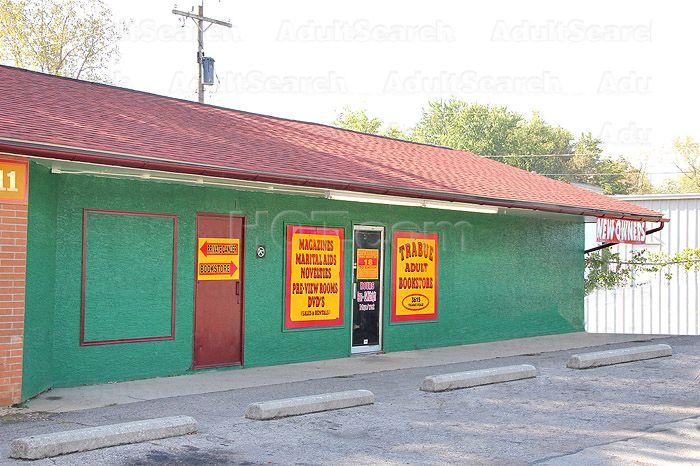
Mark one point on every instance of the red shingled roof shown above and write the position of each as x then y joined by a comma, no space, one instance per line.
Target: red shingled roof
47,116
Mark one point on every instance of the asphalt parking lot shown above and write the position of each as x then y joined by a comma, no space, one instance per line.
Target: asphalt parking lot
560,413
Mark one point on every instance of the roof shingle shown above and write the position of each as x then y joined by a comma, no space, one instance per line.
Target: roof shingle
44,109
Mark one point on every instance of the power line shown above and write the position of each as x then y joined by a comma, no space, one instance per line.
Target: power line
545,155
640,172
688,261
528,156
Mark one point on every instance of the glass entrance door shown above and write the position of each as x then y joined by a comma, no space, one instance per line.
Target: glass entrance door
368,271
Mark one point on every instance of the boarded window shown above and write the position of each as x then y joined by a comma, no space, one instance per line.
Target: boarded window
128,277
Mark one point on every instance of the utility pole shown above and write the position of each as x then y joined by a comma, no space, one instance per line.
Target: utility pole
199,19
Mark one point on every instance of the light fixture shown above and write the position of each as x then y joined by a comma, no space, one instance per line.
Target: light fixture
83,168
462,207
374,199
409,202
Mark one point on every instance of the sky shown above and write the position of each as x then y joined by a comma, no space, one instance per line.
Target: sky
626,71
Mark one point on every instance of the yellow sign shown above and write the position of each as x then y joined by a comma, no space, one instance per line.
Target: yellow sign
218,259
414,276
14,176
367,264
314,279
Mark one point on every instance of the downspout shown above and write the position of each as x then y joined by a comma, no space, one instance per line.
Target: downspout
607,245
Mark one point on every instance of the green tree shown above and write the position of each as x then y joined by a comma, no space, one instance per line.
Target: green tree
507,136
607,270
396,133
668,186
548,144
621,177
495,131
614,175
482,129
689,150
586,158
73,38
359,120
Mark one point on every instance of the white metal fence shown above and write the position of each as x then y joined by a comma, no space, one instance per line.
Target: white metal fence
655,305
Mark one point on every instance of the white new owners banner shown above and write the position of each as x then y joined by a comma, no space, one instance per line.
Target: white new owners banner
616,230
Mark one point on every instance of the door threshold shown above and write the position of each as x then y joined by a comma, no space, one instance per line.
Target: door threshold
365,350
217,366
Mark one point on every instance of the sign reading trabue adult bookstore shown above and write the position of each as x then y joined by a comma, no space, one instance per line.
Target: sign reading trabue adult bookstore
314,277
414,276
616,230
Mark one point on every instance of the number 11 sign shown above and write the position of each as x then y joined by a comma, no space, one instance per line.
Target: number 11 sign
14,175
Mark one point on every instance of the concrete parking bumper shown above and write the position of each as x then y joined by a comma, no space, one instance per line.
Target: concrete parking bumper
453,381
618,356
92,438
308,404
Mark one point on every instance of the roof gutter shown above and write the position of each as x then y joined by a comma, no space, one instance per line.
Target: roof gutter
103,157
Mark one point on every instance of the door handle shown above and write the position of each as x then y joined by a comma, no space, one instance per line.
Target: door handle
238,291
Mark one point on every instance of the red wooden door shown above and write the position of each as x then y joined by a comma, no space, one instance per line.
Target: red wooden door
218,314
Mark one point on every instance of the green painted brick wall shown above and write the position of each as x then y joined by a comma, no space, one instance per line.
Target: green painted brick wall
39,300
500,276
129,276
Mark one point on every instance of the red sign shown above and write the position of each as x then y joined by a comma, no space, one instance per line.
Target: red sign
314,279
367,264
414,276
615,230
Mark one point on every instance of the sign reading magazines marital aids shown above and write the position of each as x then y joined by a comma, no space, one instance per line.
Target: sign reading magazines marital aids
314,277
414,283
